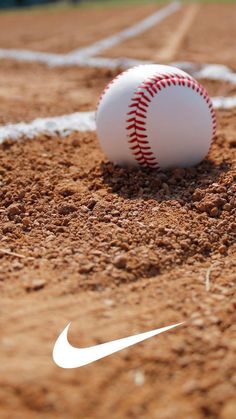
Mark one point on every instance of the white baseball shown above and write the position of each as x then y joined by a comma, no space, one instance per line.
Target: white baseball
155,116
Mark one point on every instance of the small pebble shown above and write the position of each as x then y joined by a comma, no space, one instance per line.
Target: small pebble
139,378
34,285
120,261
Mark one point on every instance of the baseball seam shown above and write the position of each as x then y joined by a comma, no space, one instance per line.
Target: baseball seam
111,83
136,117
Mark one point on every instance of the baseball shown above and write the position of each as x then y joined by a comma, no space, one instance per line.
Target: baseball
155,116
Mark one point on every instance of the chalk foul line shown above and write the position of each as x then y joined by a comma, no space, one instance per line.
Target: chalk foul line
222,102
81,55
85,56
60,125
79,121
84,121
216,72
128,33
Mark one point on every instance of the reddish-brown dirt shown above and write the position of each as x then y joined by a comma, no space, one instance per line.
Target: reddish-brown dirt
58,91
117,252
63,30
48,92
146,45
209,40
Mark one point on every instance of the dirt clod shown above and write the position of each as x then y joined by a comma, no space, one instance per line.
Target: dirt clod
120,261
34,285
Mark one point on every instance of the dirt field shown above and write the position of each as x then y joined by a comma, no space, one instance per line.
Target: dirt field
64,30
60,91
115,251
209,38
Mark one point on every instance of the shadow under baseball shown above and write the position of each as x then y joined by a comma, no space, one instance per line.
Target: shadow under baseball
176,184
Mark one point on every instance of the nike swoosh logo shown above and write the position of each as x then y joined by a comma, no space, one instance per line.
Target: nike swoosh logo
67,356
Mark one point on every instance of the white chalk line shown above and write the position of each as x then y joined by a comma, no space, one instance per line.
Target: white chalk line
217,72
85,56
222,102
130,32
67,124
85,121
59,125
81,55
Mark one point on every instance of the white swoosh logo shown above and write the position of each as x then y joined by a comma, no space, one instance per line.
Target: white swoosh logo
67,356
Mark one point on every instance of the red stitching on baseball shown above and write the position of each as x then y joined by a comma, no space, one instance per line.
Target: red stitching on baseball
139,141
152,86
111,83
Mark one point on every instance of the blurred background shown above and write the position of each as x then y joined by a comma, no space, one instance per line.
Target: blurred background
22,3
4,4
